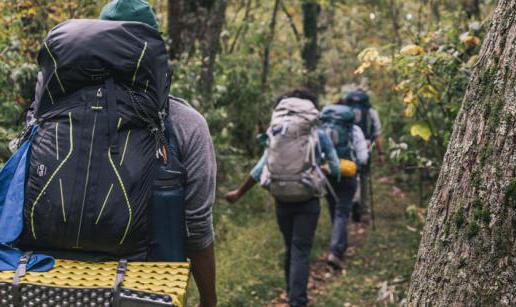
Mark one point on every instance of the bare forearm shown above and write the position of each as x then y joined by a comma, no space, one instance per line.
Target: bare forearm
246,186
203,269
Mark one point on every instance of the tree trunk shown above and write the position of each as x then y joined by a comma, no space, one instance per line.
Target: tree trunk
472,8
394,14
202,21
311,53
182,27
268,45
210,46
468,248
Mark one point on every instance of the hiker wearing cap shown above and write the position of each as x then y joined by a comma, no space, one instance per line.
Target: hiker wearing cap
367,118
186,175
191,132
350,144
290,169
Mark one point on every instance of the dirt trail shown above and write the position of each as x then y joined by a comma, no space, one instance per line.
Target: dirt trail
321,274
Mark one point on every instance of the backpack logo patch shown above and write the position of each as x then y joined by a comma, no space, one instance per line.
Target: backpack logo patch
41,170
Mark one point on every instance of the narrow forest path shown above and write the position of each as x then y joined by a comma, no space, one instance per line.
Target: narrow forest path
321,274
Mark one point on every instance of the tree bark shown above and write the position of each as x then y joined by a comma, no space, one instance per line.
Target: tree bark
468,248
268,45
210,46
311,52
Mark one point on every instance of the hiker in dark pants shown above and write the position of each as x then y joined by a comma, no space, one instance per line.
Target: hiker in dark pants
297,207
351,147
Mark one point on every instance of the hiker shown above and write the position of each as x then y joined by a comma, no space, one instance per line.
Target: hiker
290,170
350,143
186,178
367,118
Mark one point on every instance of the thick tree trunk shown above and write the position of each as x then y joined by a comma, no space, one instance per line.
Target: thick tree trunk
467,254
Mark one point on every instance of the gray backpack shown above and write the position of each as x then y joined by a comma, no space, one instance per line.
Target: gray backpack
292,173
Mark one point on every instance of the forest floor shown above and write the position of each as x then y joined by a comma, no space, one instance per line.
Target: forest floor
378,263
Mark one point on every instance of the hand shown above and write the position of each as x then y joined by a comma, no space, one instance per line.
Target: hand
325,168
232,196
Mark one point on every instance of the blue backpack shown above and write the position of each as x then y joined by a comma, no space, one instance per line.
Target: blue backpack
337,121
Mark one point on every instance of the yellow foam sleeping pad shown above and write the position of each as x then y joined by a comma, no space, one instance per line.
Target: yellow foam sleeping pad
166,280
348,168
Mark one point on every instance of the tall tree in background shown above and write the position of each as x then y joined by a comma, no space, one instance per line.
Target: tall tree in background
191,21
268,45
472,8
468,246
311,52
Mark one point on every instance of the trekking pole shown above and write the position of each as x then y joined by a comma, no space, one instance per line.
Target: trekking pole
371,199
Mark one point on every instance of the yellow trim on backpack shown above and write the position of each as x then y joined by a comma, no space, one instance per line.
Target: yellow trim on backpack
104,204
121,183
125,147
57,141
62,199
55,68
50,96
52,176
139,61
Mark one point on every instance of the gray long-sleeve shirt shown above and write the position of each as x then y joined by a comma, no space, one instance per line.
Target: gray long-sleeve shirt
198,154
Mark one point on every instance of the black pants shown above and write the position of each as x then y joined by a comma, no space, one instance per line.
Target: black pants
297,223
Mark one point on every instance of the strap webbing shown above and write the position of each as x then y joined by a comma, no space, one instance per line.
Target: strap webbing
120,274
21,270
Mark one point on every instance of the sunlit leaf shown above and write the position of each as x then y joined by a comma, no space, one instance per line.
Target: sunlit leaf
409,99
362,68
422,130
412,50
429,91
368,55
471,40
410,110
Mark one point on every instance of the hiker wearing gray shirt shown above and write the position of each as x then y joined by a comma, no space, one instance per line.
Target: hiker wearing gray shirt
198,157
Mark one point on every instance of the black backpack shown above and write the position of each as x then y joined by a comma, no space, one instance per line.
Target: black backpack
359,102
100,138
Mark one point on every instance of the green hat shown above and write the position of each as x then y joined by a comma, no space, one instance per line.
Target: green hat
129,10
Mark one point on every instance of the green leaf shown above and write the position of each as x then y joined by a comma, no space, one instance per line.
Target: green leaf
422,130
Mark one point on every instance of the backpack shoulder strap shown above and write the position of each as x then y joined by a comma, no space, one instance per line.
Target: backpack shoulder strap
173,143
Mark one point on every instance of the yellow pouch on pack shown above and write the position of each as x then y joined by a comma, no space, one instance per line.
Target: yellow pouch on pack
348,168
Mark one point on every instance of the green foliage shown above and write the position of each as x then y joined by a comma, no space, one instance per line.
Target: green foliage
23,25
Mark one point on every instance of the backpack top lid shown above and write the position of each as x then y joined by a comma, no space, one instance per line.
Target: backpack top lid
303,110
84,52
338,113
356,98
